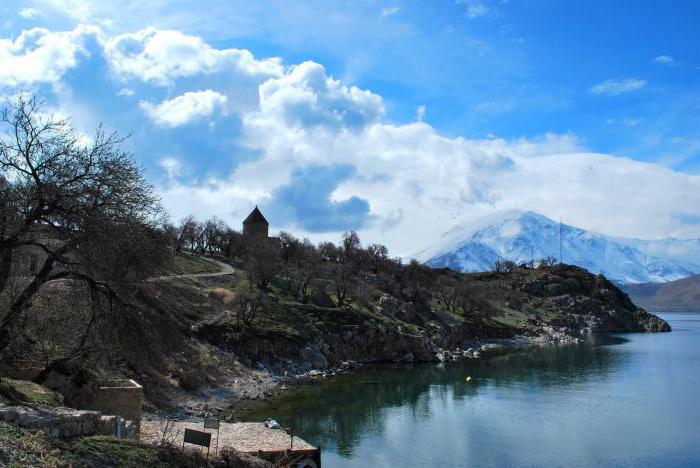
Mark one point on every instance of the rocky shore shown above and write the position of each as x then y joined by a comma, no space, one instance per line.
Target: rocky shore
260,391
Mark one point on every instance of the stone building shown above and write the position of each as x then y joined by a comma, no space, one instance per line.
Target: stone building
255,225
28,258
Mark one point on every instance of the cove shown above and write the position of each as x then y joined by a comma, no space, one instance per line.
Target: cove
623,399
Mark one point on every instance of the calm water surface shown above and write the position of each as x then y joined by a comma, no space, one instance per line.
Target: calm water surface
626,400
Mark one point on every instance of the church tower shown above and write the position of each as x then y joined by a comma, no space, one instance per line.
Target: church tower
255,225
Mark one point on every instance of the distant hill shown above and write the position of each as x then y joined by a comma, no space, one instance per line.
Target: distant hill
522,236
682,295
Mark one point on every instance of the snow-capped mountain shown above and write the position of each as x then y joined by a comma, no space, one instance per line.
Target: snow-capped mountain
523,236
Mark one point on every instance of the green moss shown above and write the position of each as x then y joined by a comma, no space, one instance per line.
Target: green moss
11,431
511,320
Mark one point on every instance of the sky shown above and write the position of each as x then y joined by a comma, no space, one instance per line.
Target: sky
396,118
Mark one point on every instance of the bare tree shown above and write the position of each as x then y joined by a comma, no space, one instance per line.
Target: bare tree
447,292
234,243
378,255
186,228
263,262
504,266
307,269
246,308
213,233
85,207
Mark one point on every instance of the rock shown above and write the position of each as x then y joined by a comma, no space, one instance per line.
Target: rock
321,298
312,358
408,357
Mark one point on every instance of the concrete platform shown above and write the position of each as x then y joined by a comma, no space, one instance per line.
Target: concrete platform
250,437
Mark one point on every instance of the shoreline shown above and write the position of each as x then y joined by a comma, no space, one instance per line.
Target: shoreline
260,389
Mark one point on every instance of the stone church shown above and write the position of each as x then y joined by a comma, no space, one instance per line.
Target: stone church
255,225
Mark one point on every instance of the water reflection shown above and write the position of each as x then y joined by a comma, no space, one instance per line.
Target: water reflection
340,411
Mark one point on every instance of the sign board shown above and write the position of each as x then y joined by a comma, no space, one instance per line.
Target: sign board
197,438
211,423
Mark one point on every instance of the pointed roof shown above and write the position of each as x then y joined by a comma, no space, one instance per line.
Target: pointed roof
256,217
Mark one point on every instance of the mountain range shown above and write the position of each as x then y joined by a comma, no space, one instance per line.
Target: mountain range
522,236
682,295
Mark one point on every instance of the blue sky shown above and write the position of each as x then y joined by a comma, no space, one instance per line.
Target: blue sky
395,118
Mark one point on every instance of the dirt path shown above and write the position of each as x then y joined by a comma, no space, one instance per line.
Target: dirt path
226,269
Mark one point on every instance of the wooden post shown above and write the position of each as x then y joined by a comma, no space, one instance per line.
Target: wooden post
210,423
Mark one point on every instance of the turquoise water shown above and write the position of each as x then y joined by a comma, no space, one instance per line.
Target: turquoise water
624,400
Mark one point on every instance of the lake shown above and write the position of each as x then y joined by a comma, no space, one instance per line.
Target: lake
618,400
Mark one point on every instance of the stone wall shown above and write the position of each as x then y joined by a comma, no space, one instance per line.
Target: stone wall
60,421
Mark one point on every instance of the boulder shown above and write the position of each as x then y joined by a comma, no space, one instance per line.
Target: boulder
312,358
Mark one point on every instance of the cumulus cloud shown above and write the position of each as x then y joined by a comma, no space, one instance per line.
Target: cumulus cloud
663,60
307,97
322,158
185,109
161,56
38,55
405,184
29,13
614,87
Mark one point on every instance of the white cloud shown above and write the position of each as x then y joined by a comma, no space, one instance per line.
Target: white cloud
161,56
628,122
419,183
38,55
389,11
307,97
614,87
477,9
663,60
126,92
172,166
29,13
79,10
420,113
185,109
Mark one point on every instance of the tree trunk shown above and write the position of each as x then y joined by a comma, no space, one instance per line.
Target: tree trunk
5,267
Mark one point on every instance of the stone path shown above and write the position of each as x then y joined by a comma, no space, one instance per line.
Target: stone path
226,269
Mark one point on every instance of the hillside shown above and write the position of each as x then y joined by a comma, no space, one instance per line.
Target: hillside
189,342
682,295
527,236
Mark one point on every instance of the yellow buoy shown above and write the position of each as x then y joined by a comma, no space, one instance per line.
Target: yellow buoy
468,378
